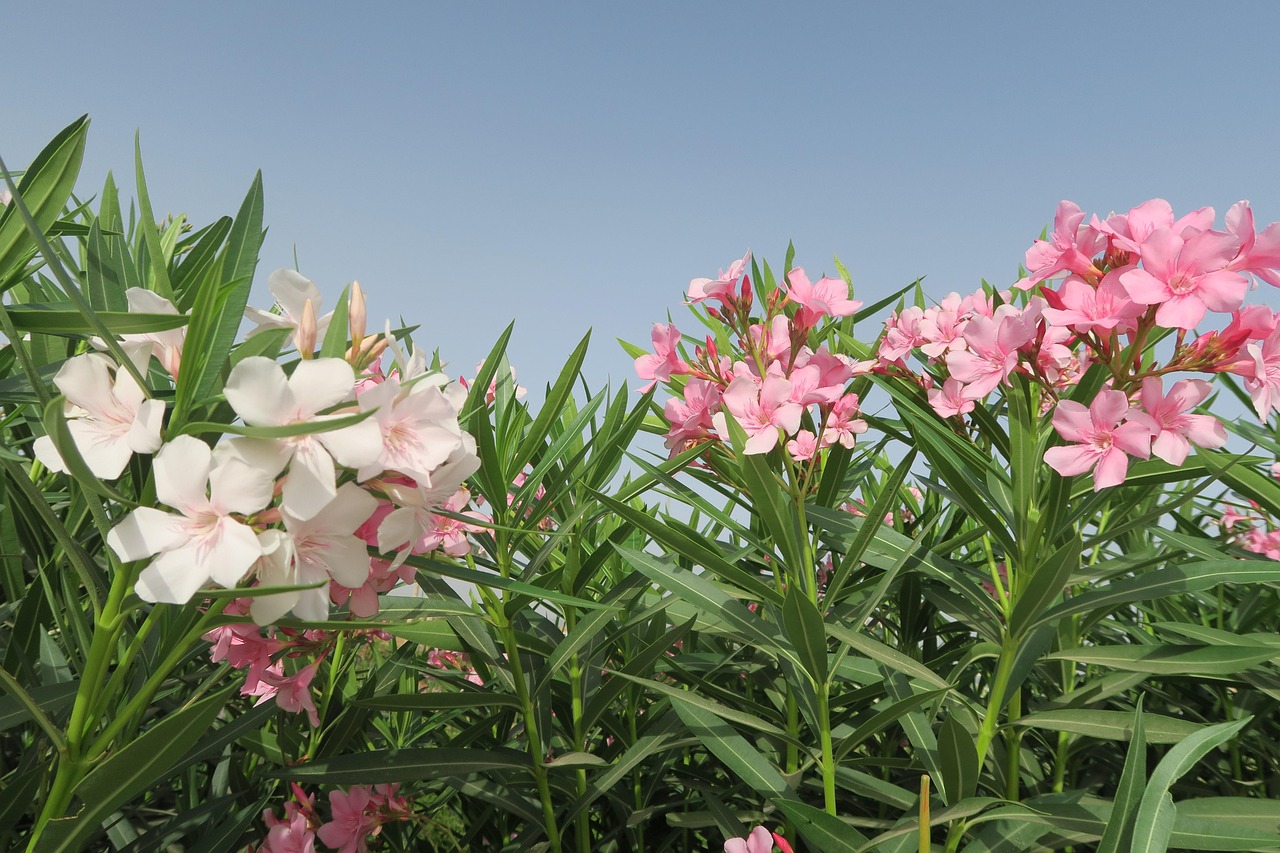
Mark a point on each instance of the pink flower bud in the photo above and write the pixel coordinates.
(305, 337)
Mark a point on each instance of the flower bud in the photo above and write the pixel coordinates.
(356, 315)
(305, 338)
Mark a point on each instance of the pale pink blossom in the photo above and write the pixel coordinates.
(1259, 253)
(1127, 230)
(1260, 367)
(293, 694)
(1070, 248)
(992, 355)
(292, 834)
(1085, 308)
(723, 287)
(353, 820)
(203, 542)
(803, 447)
(691, 416)
(664, 361)
(761, 412)
(108, 416)
(843, 425)
(1168, 418)
(903, 333)
(167, 345)
(759, 840)
(1099, 442)
(262, 395)
(1186, 277)
(450, 534)
(827, 297)
(942, 327)
(949, 400)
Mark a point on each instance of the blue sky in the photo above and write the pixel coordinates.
(574, 165)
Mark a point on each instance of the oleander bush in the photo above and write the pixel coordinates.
(989, 572)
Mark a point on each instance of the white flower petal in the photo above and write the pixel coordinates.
(320, 383)
(182, 472)
(400, 527)
(350, 508)
(144, 532)
(237, 487)
(292, 290)
(85, 380)
(266, 454)
(226, 552)
(48, 454)
(312, 481)
(104, 445)
(258, 391)
(347, 559)
(313, 605)
(144, 435)
(172, 578)
(354, 446)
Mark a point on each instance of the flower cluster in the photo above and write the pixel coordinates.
(356, 815)
(332, 462)
(778, 389)
(1126, 283)
(759, 840)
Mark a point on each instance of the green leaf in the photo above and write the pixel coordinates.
(822, 831)
(147, 224)
(44, 189)
(958, 755)
(439, 701)
(1153, 823)
(1252, 812)
(1110, 725)
(334, 344)
(733, 750)
(309, 427)
(1045, 586)
(48, 698)
(376, 767)
(1162, 659)
(1170, 580)
(52, 320)
(704, 594)
(139, 767)
(803, 625)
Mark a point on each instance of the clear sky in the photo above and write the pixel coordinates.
(573, 165)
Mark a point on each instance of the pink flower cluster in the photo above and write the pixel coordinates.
(356, 815)
(759, 840)
(778, 389)
(1125, 281)
(1255, 530)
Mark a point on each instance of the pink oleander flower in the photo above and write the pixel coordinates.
(450, 534)
(108, 416)
(827, 297)
(760, 411)
(166, 346)
(293, 694)
(1186, 276)
(843, 426)
(759, 840)
(691, 417)
(1099, 441)
(723, 287)
(1126, 231)
(1259, 253)
(949, 400)
(290, 834)
(296, 296)
(362, 601)
(1167, 417)
(1070, 248)
(203, 541)
(664, 361)
(942, 327)
(1101, 309)
(1260, 367)
(353, 821)
(262, 395)
(903, 333)
(243, 647)
(992, 355)
(803, 447)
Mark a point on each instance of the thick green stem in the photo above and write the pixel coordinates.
(532, 737)
(828, 754)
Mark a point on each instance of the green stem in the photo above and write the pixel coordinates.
(532, 737)
(828, 754)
